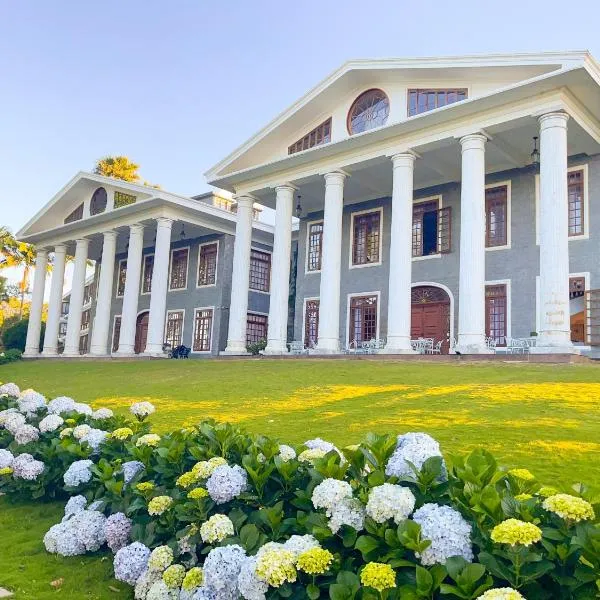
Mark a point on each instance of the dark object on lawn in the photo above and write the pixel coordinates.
(181, 352)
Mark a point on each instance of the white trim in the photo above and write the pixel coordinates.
(176, 310)
(450, 296)
(491, 186)
(309, 298)
(142, 292)
(437, 197)
(187, 268)
(112, 337)
(212, 326)
(586, 205)
(366, 211)
(308, 225)
(207, 285)
(508, 285)
(270, 252)
(360, 295)
(121, 261)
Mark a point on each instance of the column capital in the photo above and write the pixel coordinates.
(286, 186)
(60, 249)
(136, 228)
(110, 233)
(41, 250)
(245, 200)
(404, 158)
(164, 222)
(473, 141)
(336, 176)
(553, 119)
(82, 242)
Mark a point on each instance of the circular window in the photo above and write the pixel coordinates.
(370, 109)
(98, 202)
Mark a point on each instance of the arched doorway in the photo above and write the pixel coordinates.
(430, 314)
(141, 332)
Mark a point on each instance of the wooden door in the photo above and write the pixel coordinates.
(141, 332)
(431, 321)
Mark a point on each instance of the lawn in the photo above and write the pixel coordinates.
(543, 417)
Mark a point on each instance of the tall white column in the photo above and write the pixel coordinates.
(158, 297)
(99, 342)
(55, 301)
(400, 279)
(76, 299)
(555, 318)
(32, 342)
(331, 262)
(471, 299)
(132, 291)
(238, 307)
(280, 273)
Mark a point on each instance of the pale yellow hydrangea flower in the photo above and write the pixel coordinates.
(515, 532)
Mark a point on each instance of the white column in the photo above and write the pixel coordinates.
(280, 273)
(238, 306)
(55, 302)
(158, 297)
(400, 278)
(100, 328)
(76, 299)
(32, 342)
(555, 319)
(329, 304)
(471, 299)
(132, 291)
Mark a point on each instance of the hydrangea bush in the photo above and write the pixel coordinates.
(213, 513)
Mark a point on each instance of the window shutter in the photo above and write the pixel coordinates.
(445, 230)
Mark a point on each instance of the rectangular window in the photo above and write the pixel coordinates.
(121, 278)
(365, 238)
(88, 293)
(203, 318)
(85, 319)
(179, 268)
(65, 308)
(424, 100)
(431, 229)
(315, 246)
(83, 344)
(496, 313)
(174, 328)
(116, 334)
(311, 323)
(76, 215)
(496, 216)
(62, 328)
(319, 135)
(256, 328)
(207, 264)
(147, 273)
(576, 204)
(123, 199)
(363, 318)
(260, 271)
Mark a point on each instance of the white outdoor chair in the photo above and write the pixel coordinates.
(435, 349)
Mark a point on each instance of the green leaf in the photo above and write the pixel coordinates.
(338, 591)
(366, 544)
(312, 591)
(424, 580)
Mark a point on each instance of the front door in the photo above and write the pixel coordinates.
(430, 315)
(141, 332)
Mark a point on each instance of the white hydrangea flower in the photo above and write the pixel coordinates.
(130, 562)
(226, 483)
(96, 505)
(286, 452)
(61, 539)
(249, 585)
(142, 409)
(206, 593)
(102, 413)
(117, 529)
(300, 543)
(6, 458)
(413, 448)
(329, 493)
(75, 504)
(12, 421)
(449, 533)
(81, 431)
(131, 468)
(501, 594)
(160, 591)
(78, 472)
(30, 402)
(349, 511)
(62, 404)
(389, 501)
(221, 569)
(26, 434)
(145, 582)
(10, 389)
(95, 438)
(216, 529)
(83, 409)
(6, 414)
(89, 529)
(319, 444)
(50, 423)
(26, 467)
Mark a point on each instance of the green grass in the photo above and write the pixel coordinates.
(543, 417)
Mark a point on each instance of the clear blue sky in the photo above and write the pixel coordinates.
(177, 85)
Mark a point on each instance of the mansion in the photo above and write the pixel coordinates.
(454, 199)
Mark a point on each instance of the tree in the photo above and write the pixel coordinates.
(16, 335)
(119, 167)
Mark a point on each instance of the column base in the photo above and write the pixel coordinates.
(228, 352)
(566, 349)
(31, 354)
(472, 349)
(51, 353)
(275, 350)
(71, 355)
(98, 354)
(123, 354)
(392, 350)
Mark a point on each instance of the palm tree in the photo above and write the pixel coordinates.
(119, 167)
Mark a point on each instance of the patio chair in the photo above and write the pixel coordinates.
(181, 352)
(435, 349)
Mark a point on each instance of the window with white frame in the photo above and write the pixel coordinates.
(121, 276)
(116, 333)
(575, 182)
(311, 322)
(363, 318)
(174, 328)
(147, 273)
(179, 269)
(366, 238)
(256, 328)
(203, 320)
(207, 264)
(314, 246)
(431, 228)
(260, 271)
(496, 216)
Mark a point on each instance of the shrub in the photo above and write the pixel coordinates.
(211, 511)
(256, 348)
(10, 356)
(15, 335)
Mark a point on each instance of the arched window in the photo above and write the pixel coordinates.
(369, 110)
(98, 202)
